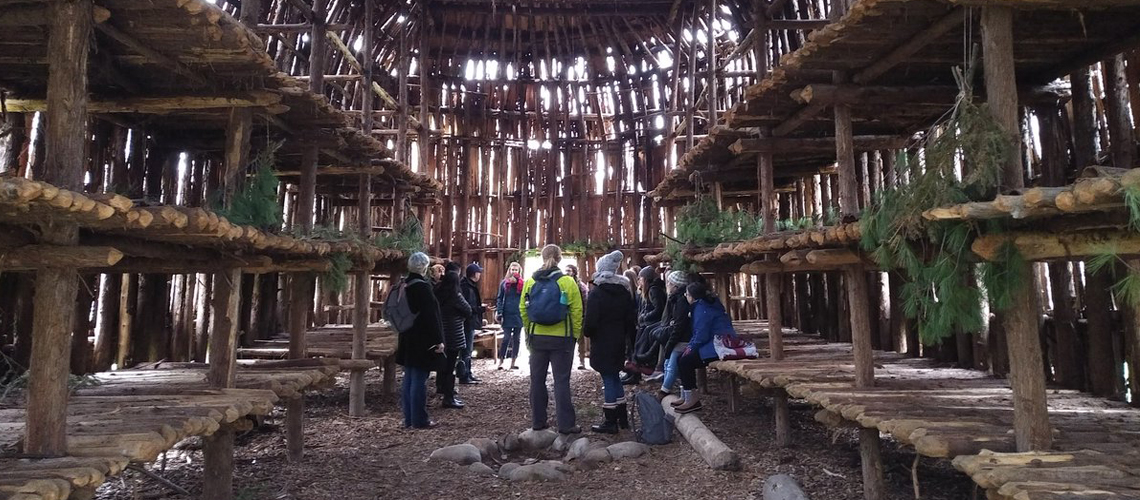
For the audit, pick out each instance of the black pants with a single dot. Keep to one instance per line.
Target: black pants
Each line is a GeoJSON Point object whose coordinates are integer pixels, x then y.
{"type": "Point", "coordinates": [445, 377]}
{"type": "Point", "coordinates": [687, 369]}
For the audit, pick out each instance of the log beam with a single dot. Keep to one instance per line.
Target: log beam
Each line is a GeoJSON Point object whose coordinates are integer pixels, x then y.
{"type": "Point", "coordinates": [162, 105]}
{"type": "Point", "coordinates": [31, 257]}
{"type": "Point", "coordinates": [69, 40]}
{"type": "Point", "coordinates": [1027, 379]}
{"type": "Point", "coordinates": [821, 144]}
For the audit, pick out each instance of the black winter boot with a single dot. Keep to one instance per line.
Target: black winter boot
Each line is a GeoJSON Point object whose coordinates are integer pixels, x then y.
{"type": "Point", "coordinates": [610, 426]}
{"type": "Point", "coordinates": [622, 412]}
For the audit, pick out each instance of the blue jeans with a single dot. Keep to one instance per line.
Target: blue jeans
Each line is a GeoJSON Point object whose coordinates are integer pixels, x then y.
{"type": "Point", "coordinates": [512, 332]}
{"type": "Point", "coordinates": [612, 390]}
{"type": "Point", "coordinates": [670, 371]}
{"type": "Point", "coordinates": [413, 400]}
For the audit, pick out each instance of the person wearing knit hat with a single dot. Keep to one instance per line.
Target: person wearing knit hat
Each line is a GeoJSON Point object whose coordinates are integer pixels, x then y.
{"type": "Point", "coordinates": [679, 327]}
{"type": "Point", "coordinates": [611, 325]}
{"type": "Point", "coordinates": [419, 349]}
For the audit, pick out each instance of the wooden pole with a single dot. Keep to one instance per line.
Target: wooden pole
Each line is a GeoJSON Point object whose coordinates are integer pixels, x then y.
{"type": "Point", "coordinates": [710, 60]}
{"type": "Point", "coordinates": [56, 288]}
{"type": "Point", "coordinates": [363, 279]}
{"type": "Point", "coordinates": [1031, 419]}
{"type": "Point", "coordinates": [855, 283]}
{"type": "Point", "coordinates": [773, 289]}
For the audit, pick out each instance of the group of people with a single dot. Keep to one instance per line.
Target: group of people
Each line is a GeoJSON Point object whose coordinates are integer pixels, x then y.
{"type": "Point", "coordinates": [636, 324]}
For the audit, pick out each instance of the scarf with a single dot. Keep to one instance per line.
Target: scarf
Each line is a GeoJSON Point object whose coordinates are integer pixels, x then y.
{"type": "Point", "coordinates": [518, 282]}
{"type": "Point", "coordinates": [603, 277]}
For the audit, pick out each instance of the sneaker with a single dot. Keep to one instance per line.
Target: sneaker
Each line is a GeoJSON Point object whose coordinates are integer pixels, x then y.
{"type": "Point", "coordinates": [453, 403]}
{"type": "Point", "coordinates": [688, 408]}
{"type": "Point", "coordinates": [572, 430]}
{"type": "Point", "coordinates": [655, 377]}
{"type": "Point", "coordinates": [470, 381]}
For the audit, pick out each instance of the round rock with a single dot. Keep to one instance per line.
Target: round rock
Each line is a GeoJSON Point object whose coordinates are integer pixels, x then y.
{"type": "Point", "coordinates": [509, 442]}
{"type": "Point", "coordinates": [577, 449]}
{"type": "Point", "coordinates": [597, 456]}
{"type": "Point", "coordinates": [462, 454]}
{"type": "Point", "coordinates": [628, 449]}
{"type": "Point", "coordinates": [507, 468]}
{"type": "Point", "coordinates": [537, 440]}
{"type": "Point", "coordinates": [783, 487]}
{"type": "Point", "coordinates": [481, 469]}
{"type": "Point", "coordinates": [537, 472]}
{"type": "Point", "coordinates": [488, 448]}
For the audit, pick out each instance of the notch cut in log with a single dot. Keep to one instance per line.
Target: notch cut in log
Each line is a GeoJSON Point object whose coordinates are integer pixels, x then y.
{"type": "Point", "coordinates": [33, 257]}
{"type": "Point", "coordinates": [715, 453]}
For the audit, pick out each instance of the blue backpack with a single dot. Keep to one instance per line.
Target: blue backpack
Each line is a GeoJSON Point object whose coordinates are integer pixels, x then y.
{"type": "Point", "coordinates": [544, 303]}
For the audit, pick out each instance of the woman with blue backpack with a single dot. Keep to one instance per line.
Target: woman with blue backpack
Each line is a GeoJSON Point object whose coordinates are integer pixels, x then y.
{"type": "Point", "coordinates": [611, 325]}
{"type": "Point", "coordinates": [551, 310]}
{"type": "Point", "coordinates": [507, 312]}
{"type": "Point", "coordinates": [709, 319]}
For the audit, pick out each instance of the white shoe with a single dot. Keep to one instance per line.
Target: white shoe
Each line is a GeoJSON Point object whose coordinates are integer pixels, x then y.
{"type": "Point", "coordinates": [655, 377]}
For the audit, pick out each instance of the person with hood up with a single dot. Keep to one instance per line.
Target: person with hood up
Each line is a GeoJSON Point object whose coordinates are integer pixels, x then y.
{"type": "Point", "coordinates": [420, 348]}
{"type": "Point", "coordinates": [470, 289]}
{"type": "Point", "coordinates": [709, 320]}
{"type": "Point", "coordinates": [611, 325]}
{"type": "Point", "coordinates": [507, 312]}
{"type": "Point", "coordinates": [454, 312]}
{"type": "Point", "coordinates": [551, 311]}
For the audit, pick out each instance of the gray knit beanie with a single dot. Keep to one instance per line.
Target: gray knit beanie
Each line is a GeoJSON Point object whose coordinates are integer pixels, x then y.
{"type": "Point", "coordinates": [677, 278]}
{"type": "Point", "coordinates": [610, 262]}
{"type": "Point", "coordinates": [418, 263]}
{"type": "Point", "coordinates": [648, 273]}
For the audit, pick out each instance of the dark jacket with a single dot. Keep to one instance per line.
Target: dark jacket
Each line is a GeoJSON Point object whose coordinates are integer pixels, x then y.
{"type": "Point", "coordinates": [611, 324]}
{"type": "Point", "coordinates": [474, 298]}
{"type": "Point", "coordinates": [677, 316]}
{"type": "Point", "coordinates": [507, 302]}
{"type": "Point", "coordinates": [454, 311]}
{"type": "Point", "coordinates": [414, 347]}
{"type": "Point", "coordinates": [709, 320]}
{"type": "Point", "coordinates": [652, 309]}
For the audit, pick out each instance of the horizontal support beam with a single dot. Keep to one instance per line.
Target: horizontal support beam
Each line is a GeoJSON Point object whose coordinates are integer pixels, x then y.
{"type": "Point", "coordinates": [821, 144]}
{"type": "Point", "coordinates": [796, 24]}
{"type": "Point", "coordinates": [1036, 246]}
{"type": "Point", "coordinates": [33, 257]}
{"type": "Point", "coordinates": [916, 94]}
{"type": "Point", "coordinates": [296, 28]}
{"type": "Point", "coordinates": [162, 105]}
{"type": "Point", "coordinates": [22, 17]}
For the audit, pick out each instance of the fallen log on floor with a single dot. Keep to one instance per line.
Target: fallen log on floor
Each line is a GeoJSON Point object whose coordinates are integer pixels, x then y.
{"type": "Point", "coordinates": [716, 453]}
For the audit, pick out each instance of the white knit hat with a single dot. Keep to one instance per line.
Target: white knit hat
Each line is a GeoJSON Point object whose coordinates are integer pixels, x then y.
{"type": "Point", "coordinates": [677, 278]}
{"type": "Point", "coordinates": [418, 263]}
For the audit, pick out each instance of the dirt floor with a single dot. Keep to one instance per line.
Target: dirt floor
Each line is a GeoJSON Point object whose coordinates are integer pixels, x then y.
{"type": "Point", "coordinates": [375, 458]}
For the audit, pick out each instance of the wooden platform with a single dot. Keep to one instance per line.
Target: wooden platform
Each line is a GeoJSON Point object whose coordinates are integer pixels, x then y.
{"type": "Point", "coordinates": [962, 414]}
{"type": "Point", "coordinates": [333, 342]}
{"type": "Point", "coordinates": [135, 415]}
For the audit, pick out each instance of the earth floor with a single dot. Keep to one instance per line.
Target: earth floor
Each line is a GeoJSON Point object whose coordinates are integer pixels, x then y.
{"type": "Point", "coordinates": [374, 457]}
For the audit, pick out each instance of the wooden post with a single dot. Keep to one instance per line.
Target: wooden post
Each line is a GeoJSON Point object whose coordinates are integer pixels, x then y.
{"type": "Point", "coordinates": [363, 279]}
{"type": "Point", "coordinates": [773, 290]}
{"type": "Point", "coordinates": [710, 60]}
{"type": "Point", "coordinates": [56, 288]}
{"type": "Point", "coordinates": [855, 283]}
{"type": "Point", "coordinates": [1027, 378]}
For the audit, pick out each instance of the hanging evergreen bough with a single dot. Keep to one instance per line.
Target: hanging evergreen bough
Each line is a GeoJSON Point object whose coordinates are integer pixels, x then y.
{"type": "Point", "coordinates": [335, 279]}
{"type": "Point", "coordinates": [255, 203]}
{"type": "Point", "coordinates": [408, 238]}
{"type": "Point", "coordinates": [1109, 260]}
{"type": "Point", "coordinates": [941, 293]}
{"type": "Point", "coordinates": [702, 224]}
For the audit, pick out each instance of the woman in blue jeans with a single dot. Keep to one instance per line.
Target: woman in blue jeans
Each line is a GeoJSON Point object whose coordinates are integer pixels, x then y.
{"type": "Point", "coordinates": [420, 348]}
{"type": "Point", "coordinates": [507, 312]}
{"type": "Point", "coordinates": [677, 319]}
{"type": "Point", "coordinates": [709, 320]}
{"type": "Point", "coordinates": [611, 325]}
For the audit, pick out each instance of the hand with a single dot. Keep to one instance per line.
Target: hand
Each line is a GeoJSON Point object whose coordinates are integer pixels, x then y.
{"type": "Point", "coordinates": [687, 351]}
{"type": "Point", "coordinates": [438, 348]}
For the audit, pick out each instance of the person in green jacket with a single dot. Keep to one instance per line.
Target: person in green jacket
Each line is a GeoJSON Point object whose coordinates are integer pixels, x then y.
{"type": "Point", "coordinates": [552, 322]}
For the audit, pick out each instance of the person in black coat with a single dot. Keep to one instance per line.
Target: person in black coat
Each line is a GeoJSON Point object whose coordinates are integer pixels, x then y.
{"type": "Point", "coordinates": [679, 321]}
{"type": "Point", "coordinates": [474, 296]}
{"type": "Point", "coordinates": [652, 305]}
{"type": "Point", "coordinates": [419, 348]}
{"type": "Point", "coordinates": [611, 324]}
{"type": "Point", "coordinates": [454, 310]}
